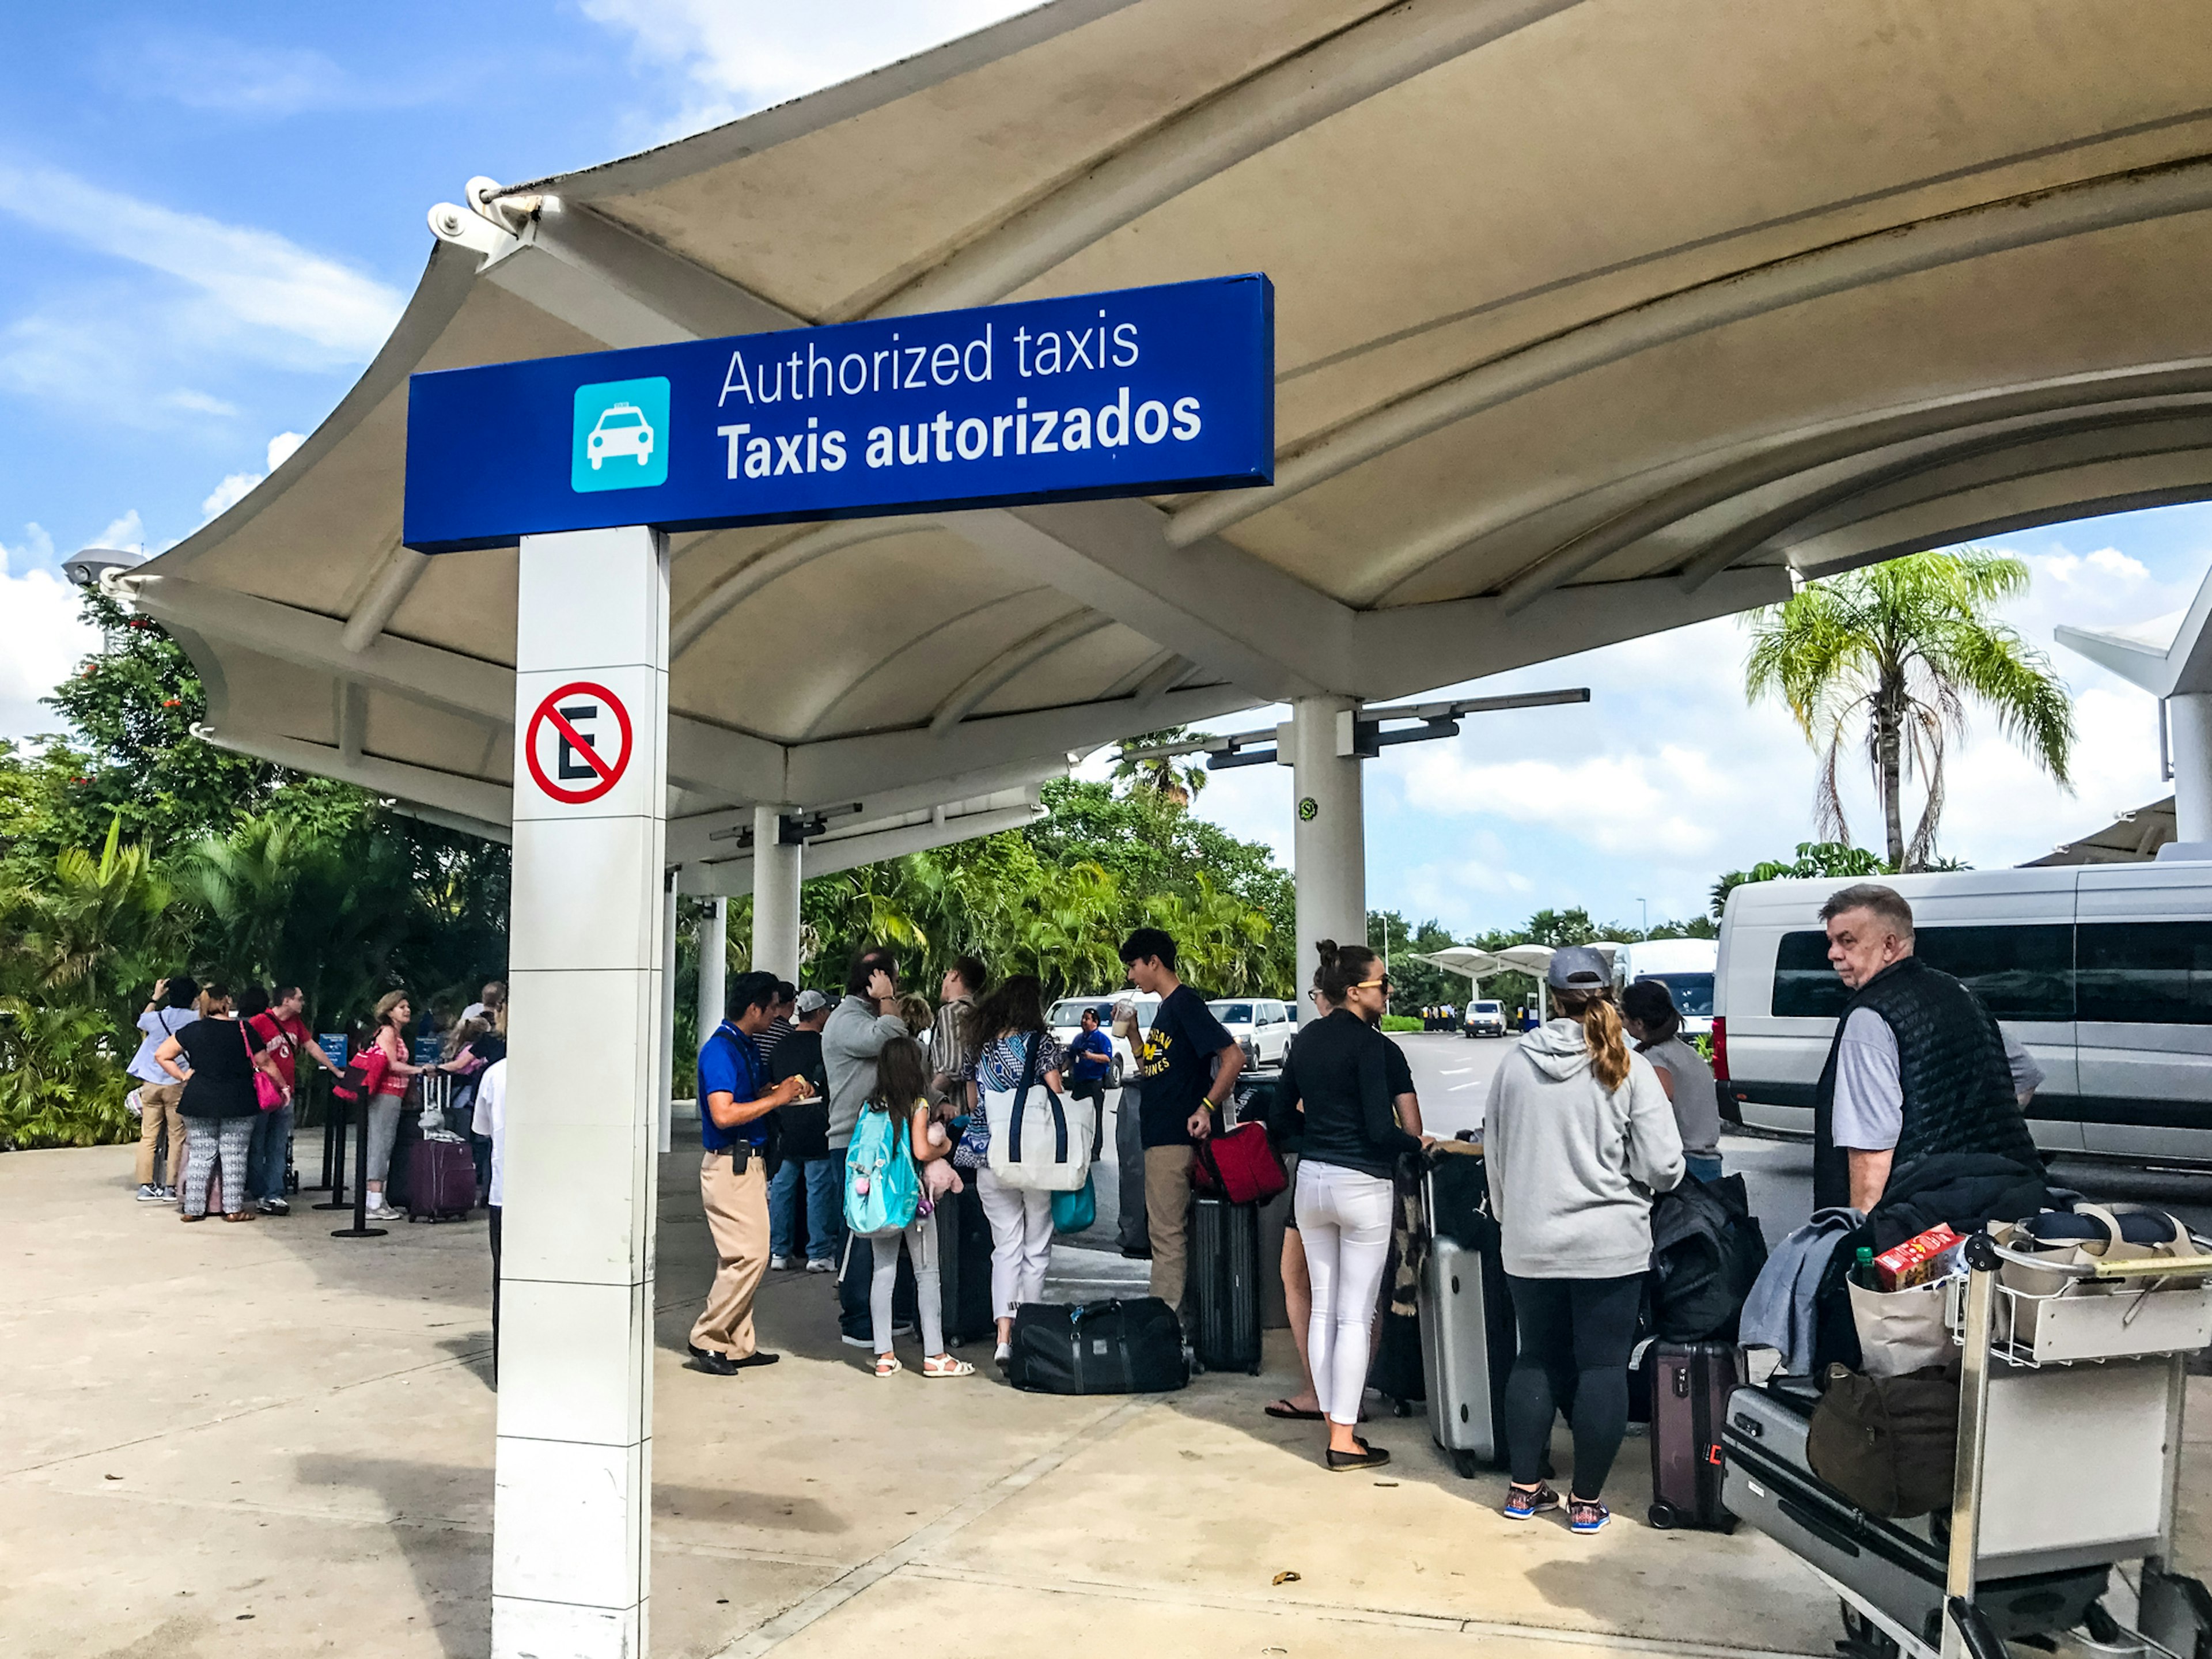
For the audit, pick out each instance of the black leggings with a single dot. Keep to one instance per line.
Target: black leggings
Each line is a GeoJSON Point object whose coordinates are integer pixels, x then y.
{"type": "Point", "coordinates": [1575, 1337]}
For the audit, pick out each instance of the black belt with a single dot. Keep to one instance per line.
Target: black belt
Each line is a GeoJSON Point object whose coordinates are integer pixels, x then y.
{"type": "Point", "coordinates": [741, 1156]}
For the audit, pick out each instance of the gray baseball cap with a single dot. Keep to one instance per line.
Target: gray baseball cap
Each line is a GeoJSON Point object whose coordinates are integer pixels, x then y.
{"type": "Point", "coordinates": [812, 1002]}
{"type": "Point", "coordinates": [1577, 968]}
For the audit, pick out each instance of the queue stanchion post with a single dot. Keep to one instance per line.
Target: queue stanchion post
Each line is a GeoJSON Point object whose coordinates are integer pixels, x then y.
{"type": "Point", "coordinates": [334, 1133]}
{"type": "Point", "coordinates": [360, 1229]}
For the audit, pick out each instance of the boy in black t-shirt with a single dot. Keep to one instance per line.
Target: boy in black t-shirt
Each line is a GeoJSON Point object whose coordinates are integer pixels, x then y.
{"type": "Point", "coordinates": [1190, 1065]}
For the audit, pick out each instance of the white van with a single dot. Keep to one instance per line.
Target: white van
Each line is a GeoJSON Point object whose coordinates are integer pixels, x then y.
{"type": "Point", "coordinates": [1263, 1027]}
{"type": "Point", "coordinates": [1685, 966]}
{"type": "Point", "coordinates": [2103, 972]}
{"type": "Point", "coordinates": [1065, 1018]}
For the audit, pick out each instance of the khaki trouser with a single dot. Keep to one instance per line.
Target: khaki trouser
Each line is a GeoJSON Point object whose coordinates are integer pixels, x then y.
{"type": "Point", "coordinates": [737, 1216]}
{"type": "Point", "coordinates": [1167, 1218]}
{"type": "Point", "coordinates": [158, 1106]}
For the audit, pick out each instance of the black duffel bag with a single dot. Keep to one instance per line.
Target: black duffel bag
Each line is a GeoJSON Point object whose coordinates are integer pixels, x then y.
{"type": "Point", "coordinates": [1706, 1252]}
{"type": "Point", "coordinates": [1097, 1347]}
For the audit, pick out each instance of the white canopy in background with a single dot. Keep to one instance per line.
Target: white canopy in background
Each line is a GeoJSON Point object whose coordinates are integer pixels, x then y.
{"type": "Point", "coordinates": [1595, 318]}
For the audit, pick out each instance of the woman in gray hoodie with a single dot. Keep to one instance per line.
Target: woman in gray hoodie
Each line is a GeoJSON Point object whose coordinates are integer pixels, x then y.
{"type": "Point", "coordinates": [1577, 1135]}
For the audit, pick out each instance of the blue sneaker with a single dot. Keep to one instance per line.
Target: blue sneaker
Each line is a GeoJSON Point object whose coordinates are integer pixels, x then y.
{"type": "Point", "coordinates": [1587, 1515]}
{"type": "Point", "coordinates": [1525, 1502]}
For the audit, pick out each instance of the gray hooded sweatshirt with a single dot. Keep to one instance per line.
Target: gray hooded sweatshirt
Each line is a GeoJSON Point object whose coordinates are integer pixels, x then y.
{"type": "Point", "coordinates": [1572, 1168]}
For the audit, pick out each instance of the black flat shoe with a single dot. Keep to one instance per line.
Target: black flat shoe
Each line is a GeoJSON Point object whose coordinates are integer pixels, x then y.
{"type": "Point", "coordinates": [715, 1365]}
{"type": "Point", "coordinates": [758, 1356]}
{"type": "Point", "coordinates": [1367, 1457]}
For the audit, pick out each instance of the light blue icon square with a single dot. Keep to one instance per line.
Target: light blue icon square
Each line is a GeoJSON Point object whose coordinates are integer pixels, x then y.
{"type": "Point", "coordinates": [622, 435]}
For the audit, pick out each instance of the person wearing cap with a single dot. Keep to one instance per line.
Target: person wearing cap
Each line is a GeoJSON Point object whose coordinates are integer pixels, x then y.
{"type": "Point", "coordinates": [1578, 1134]}
{"type": "Point", "coordinates": [805, 1149]}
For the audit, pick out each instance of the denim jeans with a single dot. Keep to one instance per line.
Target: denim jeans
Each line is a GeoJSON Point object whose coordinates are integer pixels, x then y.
{"type": "Point", "coordinates": [825, 1229]}
{"type": "Point", "coordinates": [265, 1163]}
{"type": "Point", "coordinates": [1705, 1166]}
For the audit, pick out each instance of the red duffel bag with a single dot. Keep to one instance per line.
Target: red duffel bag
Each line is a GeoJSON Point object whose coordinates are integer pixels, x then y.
{"type": "Point", "coordinates": [1240, 1165]}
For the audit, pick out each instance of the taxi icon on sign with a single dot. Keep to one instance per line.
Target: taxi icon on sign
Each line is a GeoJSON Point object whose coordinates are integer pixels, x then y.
{"type": "Point", "coordinates": [622, 430]}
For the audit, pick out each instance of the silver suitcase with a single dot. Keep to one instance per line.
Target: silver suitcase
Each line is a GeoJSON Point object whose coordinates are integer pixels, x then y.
{"type": "Point", "coordinates": [1467, 1347]}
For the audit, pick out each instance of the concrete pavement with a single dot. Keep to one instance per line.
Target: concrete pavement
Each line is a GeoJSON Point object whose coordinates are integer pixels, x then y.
{"type": "Point", "coordinates": [259, 1439]}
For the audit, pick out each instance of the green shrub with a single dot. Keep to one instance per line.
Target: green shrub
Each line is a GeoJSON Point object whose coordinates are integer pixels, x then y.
{"type": "Point", "coordinates": [1401, 1023]}
{"type": "Point", "coordinates": [58, 1085]}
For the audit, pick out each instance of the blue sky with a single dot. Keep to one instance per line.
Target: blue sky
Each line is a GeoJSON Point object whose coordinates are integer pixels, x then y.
{"type": "Point", "coordinates": [210, 214]}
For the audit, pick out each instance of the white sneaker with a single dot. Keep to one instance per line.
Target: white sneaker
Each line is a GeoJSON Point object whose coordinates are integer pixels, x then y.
{"type": "Point", "coordinates": [822, 1267]}
{"type": "Point", "coordinates": [777, 1264]}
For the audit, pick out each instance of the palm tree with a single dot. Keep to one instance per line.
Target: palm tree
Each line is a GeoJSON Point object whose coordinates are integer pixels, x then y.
{"type": "Point", "coordinates": [1172, 778]}
{"type": "Point", "coordinates": [1903, 646]}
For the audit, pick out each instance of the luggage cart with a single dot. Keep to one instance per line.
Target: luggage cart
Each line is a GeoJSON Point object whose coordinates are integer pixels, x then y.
{"type": "Point", "coordinates": [2072, 1384]}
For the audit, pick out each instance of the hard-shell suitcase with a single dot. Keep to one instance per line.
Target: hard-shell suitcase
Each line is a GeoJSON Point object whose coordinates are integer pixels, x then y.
{"type": "Point", "coordinates": [1225, 1252]}
{"type": "Point", "coordinates": [441, 1181]}
{"type": "Point", "coordinates": [1898, 1567]}
{"type": "Point", "coordinates": [963, 1265]}
{"type": "Point", "coordinates": [1097, 1347]}
{"type": "Point", "coordinates": [1689, 1385]}
{"type": "Point", "coordinates": [1468, 1334]}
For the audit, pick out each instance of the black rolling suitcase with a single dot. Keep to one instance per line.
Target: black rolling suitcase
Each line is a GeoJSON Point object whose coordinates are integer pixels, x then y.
{"type": "Point", "coordinates": [1688, 1384]}
{"type": "Point", "coordinates": [963, 1265]}
{"type": "Point", "coordinates": [1224, 1266]}
{"type": "Point", "coordinates": [1898, 1567]}
{"type": "Point", "coordinates": [1097, 1347]}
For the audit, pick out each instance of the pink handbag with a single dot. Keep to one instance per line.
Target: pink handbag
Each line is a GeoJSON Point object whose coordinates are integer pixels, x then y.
{"type": "Point", "coordinates": [268, 1093]}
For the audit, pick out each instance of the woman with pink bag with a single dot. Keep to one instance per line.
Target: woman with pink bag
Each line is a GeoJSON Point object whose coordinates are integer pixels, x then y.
{"type": "Point", "coordinates": [224, 1077]}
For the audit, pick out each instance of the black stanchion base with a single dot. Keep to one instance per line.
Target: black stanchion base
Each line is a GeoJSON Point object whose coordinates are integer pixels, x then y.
{"type": "Point", "coordinates": [355, 1232]}
{"type": "Point", "coordinates": [337, 1204]}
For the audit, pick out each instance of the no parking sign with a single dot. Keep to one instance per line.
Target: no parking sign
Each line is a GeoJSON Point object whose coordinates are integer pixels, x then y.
{"type": "Point", "coordinates": [578, 742]}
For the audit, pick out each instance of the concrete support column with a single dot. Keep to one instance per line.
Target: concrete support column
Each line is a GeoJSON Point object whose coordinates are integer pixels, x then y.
{"type": "Point", "coordinates": [2189, 730]}
{"type": "Point", "coordinates": [1329, 834]}
{"type": "Point", "coordinates": [573, 1491]}
{"type": "Point", "coordinates": [713, 966]}
{"type": "Point", "coordinates": [776, 896]}
{"type": "Point", "coordinates": [664, 1067]}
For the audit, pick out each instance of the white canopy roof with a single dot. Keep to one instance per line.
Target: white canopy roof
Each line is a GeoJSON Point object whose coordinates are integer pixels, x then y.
{"type": "Point", "coordinates": [1595, 318]}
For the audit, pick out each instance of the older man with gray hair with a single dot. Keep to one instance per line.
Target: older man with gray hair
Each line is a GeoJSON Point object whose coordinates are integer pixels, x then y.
{"type": "Point", "coordinates": [1917, 1066]}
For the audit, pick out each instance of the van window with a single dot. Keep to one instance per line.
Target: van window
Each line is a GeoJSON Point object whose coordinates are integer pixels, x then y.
{"type": "Point", "coordinates": [1692, 992]}
{"type": "Point", "coordinates": [2147, 973]}
{"type": "Point", "coordinates": [2020, 972]}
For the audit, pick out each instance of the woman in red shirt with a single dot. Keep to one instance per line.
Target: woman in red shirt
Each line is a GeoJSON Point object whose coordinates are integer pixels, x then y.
{"type": "Point", "coordinates": [393, 1013]}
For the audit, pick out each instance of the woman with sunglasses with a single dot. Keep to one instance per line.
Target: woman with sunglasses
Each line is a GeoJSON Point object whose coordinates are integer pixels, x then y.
{"type": "Point", "coordinates": [1339, 1076]}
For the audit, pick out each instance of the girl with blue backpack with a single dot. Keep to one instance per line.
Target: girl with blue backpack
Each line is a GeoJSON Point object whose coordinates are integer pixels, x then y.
{"type": "Point", "coordinates": [882, 1202]}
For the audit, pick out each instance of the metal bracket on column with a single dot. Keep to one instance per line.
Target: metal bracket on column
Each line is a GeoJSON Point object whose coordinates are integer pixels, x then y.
{"type": "Point", "coordinates": [793, 829]}
{"type": "Point", "coordinates": [1360, 732]}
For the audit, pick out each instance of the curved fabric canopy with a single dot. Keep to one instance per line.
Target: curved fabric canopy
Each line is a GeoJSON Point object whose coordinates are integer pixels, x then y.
{"type": "Point", "coordinates": [1595, 318]}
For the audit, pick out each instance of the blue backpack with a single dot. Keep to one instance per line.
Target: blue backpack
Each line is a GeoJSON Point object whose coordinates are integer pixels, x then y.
{"type": "Point", "coordinates": [883, 1190]}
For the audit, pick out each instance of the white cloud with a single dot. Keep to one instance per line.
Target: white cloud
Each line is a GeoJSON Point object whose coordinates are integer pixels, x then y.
{"type": "Point", "coordinates": [126, 534]}
{"type": "Point", "coordinates": [255, 279]}
{"type": "Point", "coordinates": [234, 487]}
{"type": "Point", "coordinates": [41, 636]}
{"type": "Point", "coordinates": [741, 55]}
{"type": "Point", "coordinates": [209, 72]}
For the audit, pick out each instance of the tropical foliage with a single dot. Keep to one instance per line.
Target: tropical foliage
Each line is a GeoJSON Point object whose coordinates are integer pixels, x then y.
{"type": "Point", "coordinates": [1894, 653]}
{"type": "Point", "coordinates": [1815, 859]}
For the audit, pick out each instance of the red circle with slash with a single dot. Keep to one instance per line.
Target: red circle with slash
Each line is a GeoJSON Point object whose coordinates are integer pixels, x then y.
{"type": "Point", "coordinates": [596, 773]}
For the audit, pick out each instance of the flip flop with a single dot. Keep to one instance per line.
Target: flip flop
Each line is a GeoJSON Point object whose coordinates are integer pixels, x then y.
{"type": "Point", "coordinates": [1289, 1414]}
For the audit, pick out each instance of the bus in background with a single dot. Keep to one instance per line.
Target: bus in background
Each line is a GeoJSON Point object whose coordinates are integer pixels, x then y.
{"type": "Point", "coordinates": [1684, 966]}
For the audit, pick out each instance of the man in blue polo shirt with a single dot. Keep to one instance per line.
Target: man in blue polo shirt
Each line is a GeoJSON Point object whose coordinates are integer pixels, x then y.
{"type": "Point", "coordinates": [735, 1100]}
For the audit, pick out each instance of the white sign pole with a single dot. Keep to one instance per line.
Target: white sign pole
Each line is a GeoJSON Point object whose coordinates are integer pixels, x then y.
{"type": "Point", "coordinates": [573, 1507]}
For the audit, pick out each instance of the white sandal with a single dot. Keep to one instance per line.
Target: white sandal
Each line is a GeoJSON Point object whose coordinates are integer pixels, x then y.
{"type": "Point", "coordinates": [888, 1366]}
{"type": "Point", "coordinates": [944, 1364]}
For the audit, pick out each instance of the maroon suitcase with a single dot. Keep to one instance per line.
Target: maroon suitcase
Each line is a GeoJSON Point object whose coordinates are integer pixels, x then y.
{"type": "Point", "coordinates": [1690, 1384]}
{"type": "Point", "coordinates": [441, 1181]}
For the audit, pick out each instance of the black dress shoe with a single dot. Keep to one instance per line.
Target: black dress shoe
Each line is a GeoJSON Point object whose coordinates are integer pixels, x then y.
{"type": "Point", "coordinates": [715, 1365]}
{"type": "Point", "coordinates": [758, 1356]}
{"type": "Point", "coordinates": [1137, 1252]}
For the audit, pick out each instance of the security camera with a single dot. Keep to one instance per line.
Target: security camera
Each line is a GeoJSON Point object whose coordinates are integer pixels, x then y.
{"type": "Point", "coordinates": [84, 567]}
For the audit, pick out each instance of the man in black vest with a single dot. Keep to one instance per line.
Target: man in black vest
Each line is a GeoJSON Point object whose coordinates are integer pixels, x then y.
{"type": "Point", "coordinates": [1918, 1065]}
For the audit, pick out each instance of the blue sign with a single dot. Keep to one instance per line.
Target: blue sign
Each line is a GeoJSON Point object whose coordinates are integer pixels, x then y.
{"type": "Point", "coordinates": [429, 1051]}
{"type": "Point", "coordinates": [333, 1044]}
{"type": "Point", "coordinates": [1148, 391]}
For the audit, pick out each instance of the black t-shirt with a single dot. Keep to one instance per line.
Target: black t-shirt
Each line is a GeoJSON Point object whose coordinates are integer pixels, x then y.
{"type": "Point", "coordinates": [1178, 1063]}
{"type": "Point", "coordinates": [221, 1084]}
{"type": "Point", "coordinates": [1398, 1068]}
{"type": "Point", "coordinates": [805, 1124]}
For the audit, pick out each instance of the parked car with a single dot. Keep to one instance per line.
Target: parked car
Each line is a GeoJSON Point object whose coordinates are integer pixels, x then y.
{"type": "Point", "coordinates": [1485, 1019]}
{"type": "Point", "coordinates": [1262, 1027]}
{"type": "Point", "coordinates": [2102, 972]}
{"type": "Point", "coordinates": [1065, 1018]}
{"type": "Point", "coordinates": [1685, 966]}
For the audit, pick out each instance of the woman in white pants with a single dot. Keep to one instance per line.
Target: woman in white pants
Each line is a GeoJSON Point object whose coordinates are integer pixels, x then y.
{"type": "Point", "coordinates": [1337, 1077]}
{"type": "Point", "coordinates": [1004, 1027]}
